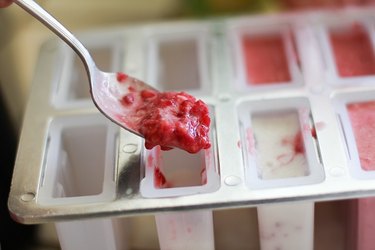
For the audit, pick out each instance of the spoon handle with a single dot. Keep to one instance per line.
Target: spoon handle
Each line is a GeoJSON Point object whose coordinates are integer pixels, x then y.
{"type": "Point", "coordinates": [51, 23]}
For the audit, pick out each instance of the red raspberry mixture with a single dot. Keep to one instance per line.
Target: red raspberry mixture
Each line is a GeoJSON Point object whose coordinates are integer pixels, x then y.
{"type": "Point", "coordinates": [174, 119]}
{"type": "Point", "coordinates": [169, 119]}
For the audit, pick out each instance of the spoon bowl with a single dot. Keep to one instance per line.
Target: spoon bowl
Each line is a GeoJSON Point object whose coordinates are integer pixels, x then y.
{"type": "Point", "coordinates": [106, 89]}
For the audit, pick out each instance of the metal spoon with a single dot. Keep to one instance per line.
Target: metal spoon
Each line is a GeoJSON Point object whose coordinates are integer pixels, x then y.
{"type": "Point", "coordinates": [107, 89]}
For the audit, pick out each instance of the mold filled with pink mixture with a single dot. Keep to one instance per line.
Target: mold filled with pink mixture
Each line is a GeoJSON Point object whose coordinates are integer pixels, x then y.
{"type": "Point", "coordinates": [353, 52]}
{"type": "Point", "coordinates": [168, 119]}
{"type": "Point", "coordinates": [362, 117]}
{"type": "Point", "coordinates": [265, 59]}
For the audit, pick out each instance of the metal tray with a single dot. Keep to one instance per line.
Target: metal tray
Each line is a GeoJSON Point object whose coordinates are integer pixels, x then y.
{"type": "Point", "coordinates": [72, 163]}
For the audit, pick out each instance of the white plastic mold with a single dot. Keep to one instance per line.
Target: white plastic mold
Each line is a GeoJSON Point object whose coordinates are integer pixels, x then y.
{"type": "Point", "coordinates": [80, 160]}
{"type": "Point", "coordinates": [93, 234]}
{"type": "Point", "coordinates": [286, 226]}
{"type": "Point", "coordinates": [278, 143]}
{"type": "Point", "coordinates": [186, 230]}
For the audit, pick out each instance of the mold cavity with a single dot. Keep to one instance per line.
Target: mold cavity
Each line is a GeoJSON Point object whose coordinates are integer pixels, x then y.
{"type": "Point", "coordinates": [362, 118]}
{"type": "Point", "coordinates": [353, 52]}
{"type": "Point", "coordinates": [177, 168]}
{"type": "Point", "coordinates": [79, 83]}
{"type": "Point", "coordinates": [279, 145]}
{"type": "Point", "coordinates": [80, 160]}
{"type": "Point", "coordinates": [265, 59]}
{"type": "Point", "coordinates": [178, 65]}
{"type": "Point", "coordinates": [177, 173]}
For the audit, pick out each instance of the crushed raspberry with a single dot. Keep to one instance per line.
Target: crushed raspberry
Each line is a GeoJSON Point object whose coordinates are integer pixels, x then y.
{"type": "Point", "coordinates": [128, 99]}
{"type": "Point", "coordinates": [145, 94]}
{"type": "Point", "coordinates": [166, 103]}
{"type": "Point", "coordinates": [121, 77]}
{"type": "Point", "coordinates": [298, 144]}
{"type": "Point", "coordinates": [183, 123]}
{"type": "Point", "coordinates": [171, 119]}
{"type": "Point", "coordinates": [167, 119]}
{"type": "Point", "coordinates": [159, 178]}
{"type": "Point", "coordinates": [313, 133]}
{"type": "Point", "coordinates": [131, 88]}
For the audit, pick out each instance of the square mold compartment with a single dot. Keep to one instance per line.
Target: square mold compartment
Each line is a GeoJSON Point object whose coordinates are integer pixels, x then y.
{"type": "Point", "coordinates": [177, 172]}
{"type": "Point", "coordinates": [356, 114]}
{"type": "Point", "coordinates": [348, 48]}
{"type": "Point", "coordinates": [72, 87]}
{"type": "Point", "coordinates": [179, 61]}
{"type": "Point", "coordinates": [79, 161]}
{"type": "Point", "coordinates": [280, 148]}
{"type": "Point", "coordinates": [265, 55]}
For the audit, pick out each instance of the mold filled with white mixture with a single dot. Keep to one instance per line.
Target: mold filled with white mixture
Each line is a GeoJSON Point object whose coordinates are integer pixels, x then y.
{"type": "Point", "coordinates": [279, 145]}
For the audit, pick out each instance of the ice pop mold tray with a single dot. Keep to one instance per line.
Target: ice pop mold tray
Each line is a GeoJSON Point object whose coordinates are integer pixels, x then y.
{"type": "Point", "coordinates": [278, 87]}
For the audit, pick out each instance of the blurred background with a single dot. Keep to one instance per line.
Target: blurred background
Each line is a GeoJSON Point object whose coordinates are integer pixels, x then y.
{"type": "Point", "coordinates": [20, 40]}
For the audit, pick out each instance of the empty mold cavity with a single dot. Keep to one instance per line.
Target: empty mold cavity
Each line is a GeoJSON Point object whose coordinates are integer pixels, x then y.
{"type": "Point", "coordinates": [178, 63]}
{"type": "Point", "coordinates": [280, 147]}
{"type": "Point", "coordinates": [73, 86]}
{"type": "Point", "coordinates": [352, 50]}
{"type": "Point", "coordinates": [79, 80]}
{"type": "Point", "coordinates": [177, 168]}
{"type": "Point", "coordinates": [80, 160]}
{"type": "Point", "coordinates": [176, 172]}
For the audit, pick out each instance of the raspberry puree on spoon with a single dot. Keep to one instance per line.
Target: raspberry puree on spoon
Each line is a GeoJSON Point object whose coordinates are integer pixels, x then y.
{"type": "Point", "coordinates": [168, 119]}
